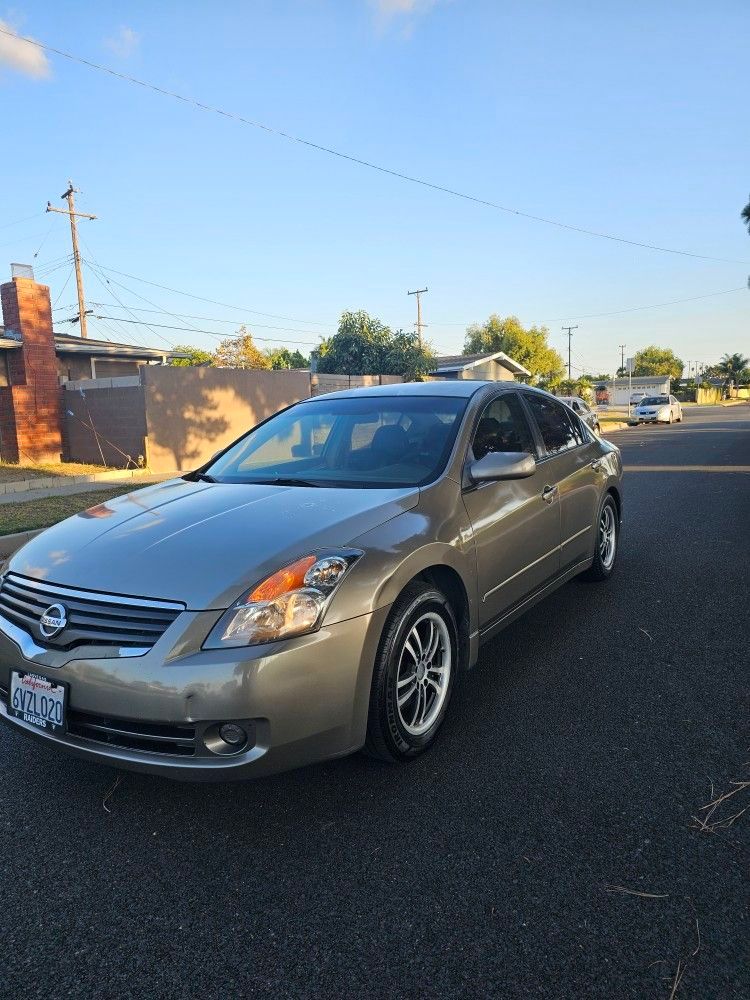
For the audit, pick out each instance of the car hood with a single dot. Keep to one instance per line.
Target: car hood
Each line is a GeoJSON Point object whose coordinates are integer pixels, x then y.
{"type": "Point", "coordinates": [201, 543]}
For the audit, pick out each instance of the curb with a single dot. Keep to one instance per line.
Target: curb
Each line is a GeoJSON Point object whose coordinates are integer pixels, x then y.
{"type": "Point", "coordinates": [9, 543]}
{"type": "Point", "coordinates": [55, 482]}
{"type": "Point", "coordinates": [614, 427]}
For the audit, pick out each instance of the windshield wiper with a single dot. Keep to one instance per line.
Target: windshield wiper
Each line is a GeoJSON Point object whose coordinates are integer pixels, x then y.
{"type": "Point", "coordinates": [282, 481]}
{"type": "Point", "coordinates": [203, 477]}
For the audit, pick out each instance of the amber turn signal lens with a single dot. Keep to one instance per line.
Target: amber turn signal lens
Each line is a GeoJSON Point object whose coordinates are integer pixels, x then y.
{"type": "Point", "coordinates": [289, 578]}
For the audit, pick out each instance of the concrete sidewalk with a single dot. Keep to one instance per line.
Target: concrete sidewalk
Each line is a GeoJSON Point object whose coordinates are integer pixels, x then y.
{"type": "Point", "coordinates": [78, 484]}
{"type": "Point", "coordinates": [22, 485]}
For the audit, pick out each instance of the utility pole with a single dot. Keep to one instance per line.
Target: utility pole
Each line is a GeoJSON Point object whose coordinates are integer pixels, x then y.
{"type": "Point", "coordinates": [570, 334]}
{"type": "Point", "coordinates": [419, 324]}
{"type": "Point", "coordinates": [622, 355]}
{"type": "Point", "coordinates": [73, 215]}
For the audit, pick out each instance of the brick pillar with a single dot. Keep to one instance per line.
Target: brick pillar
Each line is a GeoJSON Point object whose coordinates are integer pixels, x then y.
{"type": "Point", "coordinates": [29, 406]}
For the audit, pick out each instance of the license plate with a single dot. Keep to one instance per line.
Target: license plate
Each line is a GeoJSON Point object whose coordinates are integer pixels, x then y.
{"type": "Point", "coordinates": [37, 700]}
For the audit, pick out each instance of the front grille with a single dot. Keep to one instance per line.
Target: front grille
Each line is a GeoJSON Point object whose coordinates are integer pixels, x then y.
{"type": "Point", "coordinates": [92, 619]}
{"type": "Point", "coordinates": [150, 736]}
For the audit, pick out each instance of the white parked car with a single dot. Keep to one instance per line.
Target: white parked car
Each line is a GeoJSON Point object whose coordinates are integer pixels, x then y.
{"type": "Point", "coordinates": [584, 411]}
{"type": "Point", "coordinates": [658, 410]}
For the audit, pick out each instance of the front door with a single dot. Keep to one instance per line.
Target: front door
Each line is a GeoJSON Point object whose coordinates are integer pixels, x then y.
{"type": "Point", "coordinates": [572, 464]}
{"type": "Point", "coordinates": [516, 523]}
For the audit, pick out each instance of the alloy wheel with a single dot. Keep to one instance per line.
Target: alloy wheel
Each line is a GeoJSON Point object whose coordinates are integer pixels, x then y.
{"type": "Point", "coordinates": [423, 675]}
{"type": "Point", "coordinates": [607, 536]}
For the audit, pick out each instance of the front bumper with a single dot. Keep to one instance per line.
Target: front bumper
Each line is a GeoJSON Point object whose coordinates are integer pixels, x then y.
{"type": "Point", "coordinates": [301, 701]}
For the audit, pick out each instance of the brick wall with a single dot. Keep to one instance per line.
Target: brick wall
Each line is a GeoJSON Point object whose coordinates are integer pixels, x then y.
{"type": "Point", "coordinates": [29, 406]}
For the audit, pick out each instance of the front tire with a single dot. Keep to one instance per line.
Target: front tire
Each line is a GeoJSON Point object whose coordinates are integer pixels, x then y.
{"type": "Point", "coordinates": [414, 676]}
{"type": "Point", "coordinates": [607, 542]}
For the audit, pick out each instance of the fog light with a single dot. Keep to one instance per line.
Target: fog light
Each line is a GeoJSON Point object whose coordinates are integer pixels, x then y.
{"type": "Point", "coordinates": [234, 735]}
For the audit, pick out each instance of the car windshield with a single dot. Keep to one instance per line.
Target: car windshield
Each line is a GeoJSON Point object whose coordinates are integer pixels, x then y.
{"type": "Point", "coordinates": [365, 441]}
{"type": "Point", "coordinates": [654, 401]}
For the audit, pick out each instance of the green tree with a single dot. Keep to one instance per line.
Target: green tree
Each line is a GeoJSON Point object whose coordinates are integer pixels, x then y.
{"type": "Point", "coordinates": [655, 360]}
{"type": "Point", "coordinates": [282, 357]}
{"type": "Point", "coordinates": [582, 387]}
{"type": "Point", "coordinates": [195, 356]}
{"type": "Point", "coordinates": [735, 367]}
{"type": "Point", "coordinates": [527, 346]}
{"type": "Point", "coordinates": [363, 345]}
{"type": "Point", "coordinates": [240, 352]}
{"type": "Point", "coordinates": [746, 216]}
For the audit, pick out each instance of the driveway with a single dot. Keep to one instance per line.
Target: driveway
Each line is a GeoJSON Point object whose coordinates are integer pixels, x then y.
{"type": "Point", "coordinates": [579, 751]}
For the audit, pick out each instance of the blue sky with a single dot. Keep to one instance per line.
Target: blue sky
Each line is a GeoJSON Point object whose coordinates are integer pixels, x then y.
{"type": "Point", "coordinates": [625, 118]}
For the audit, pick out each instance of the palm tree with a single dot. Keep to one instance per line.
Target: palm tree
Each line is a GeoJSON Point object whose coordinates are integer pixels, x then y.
{"type": "Point", "coordinates": [734, 366]}
{"type": "Point", "coordinates": [746, 216]}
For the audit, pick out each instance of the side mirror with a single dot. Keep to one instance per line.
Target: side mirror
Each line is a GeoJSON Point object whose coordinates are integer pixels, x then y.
{"type": "Point", "coordinates": [499, 465]}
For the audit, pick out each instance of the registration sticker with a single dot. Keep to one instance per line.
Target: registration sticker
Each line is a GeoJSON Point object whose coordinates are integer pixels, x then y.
{"type": "Point", "coordinates": [37, 700]}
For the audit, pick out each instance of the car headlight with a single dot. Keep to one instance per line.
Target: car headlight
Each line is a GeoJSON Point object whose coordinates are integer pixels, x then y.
{"type": "Point", "coordinates": [290, 602]}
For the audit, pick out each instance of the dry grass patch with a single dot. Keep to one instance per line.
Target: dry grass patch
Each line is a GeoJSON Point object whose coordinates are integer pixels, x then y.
{"type": "Point", "coordinates": [13, 473]}
{"type": "Point", "coordinates": [45, 511]}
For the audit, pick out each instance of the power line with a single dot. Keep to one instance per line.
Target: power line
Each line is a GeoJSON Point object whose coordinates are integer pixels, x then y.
{"type": "Point", "coordinates": [205, 319]}
{"type": "Point", "coordinates": [28, 218]}
{"type": "Point", "coordinates": [616, 312]}
{"type": "Point", "coordinates": [653, 305]}
{"type": "Point", "coordinates": [213, 333]}
{"type": "Point", "coordinates": [213, 302]}
{"type": "Point", "coordinates": [111, 281]}
{"type": "Point", "coordinates": [45, 264]}
{"type": "Point", "coordinates": [119, 301]}
{"type": "Point", "coordinates": [357, 160]}
{"type": "Point", "coordinates": [22, 239]}
{"type": "Point", "coordinates": [70, 275]}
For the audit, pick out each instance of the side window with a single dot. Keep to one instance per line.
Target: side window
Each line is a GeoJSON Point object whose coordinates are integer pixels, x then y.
{"type": "Point", "coordinates": [574, 404]}
{"type": "Point", "coordinates": [559, 428]}
{"type": "Point", "coordinates": [583, 407]}
{"type": "Point", "coordinates": [503, 427]}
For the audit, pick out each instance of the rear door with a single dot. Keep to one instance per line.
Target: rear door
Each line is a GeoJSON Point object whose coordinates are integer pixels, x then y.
{"type": "Point", "coordinates": [516, 523]}
{"type": "Point", "coordinates": [570, 465]}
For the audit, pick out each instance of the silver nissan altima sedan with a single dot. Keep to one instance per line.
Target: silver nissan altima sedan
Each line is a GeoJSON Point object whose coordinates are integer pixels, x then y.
{"type": "Point", "coordinates": [317, 588]}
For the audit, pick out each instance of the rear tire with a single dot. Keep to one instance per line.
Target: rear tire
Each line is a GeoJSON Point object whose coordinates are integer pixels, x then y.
{"type": "Point", "coordinates": [607, 542]}
{"type": "Point", "coordinates": [415, 673]}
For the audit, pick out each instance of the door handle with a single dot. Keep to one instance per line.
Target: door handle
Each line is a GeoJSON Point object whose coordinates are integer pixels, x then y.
{"type": "Point", "coordinates": [549, 493]}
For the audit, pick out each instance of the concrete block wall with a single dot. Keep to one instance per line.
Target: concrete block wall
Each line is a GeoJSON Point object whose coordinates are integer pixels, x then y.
{"type": "Point", "coordinates": [178, 417]}
{"type": "Point", "coordinates": [104, 421]}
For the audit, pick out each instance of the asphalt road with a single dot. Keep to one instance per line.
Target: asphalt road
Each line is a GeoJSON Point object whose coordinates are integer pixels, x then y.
{"type": "Point", "coordinates": [578, 751]}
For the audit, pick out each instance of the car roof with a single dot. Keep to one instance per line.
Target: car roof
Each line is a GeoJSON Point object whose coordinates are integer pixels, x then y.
{"type": "Point", "coordinates": [461, 388]}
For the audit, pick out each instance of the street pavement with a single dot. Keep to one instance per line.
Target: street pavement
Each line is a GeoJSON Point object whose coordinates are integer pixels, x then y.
{"type": "Point", "coordinates": [545, 848]}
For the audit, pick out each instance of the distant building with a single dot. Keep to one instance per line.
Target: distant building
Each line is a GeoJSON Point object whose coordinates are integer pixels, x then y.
{"type": "Point", "coordinates": [617, 391]}
{"type": "Point", "coordinates": [78, 358]}
{"type": "Point", "coordinates": [493, 367]}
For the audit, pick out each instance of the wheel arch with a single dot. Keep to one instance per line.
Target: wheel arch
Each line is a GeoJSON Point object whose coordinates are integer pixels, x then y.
{"type": "Point", "coordinates": [614, 492]}
{"type": "Point", "coordinates": [449, 582]}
